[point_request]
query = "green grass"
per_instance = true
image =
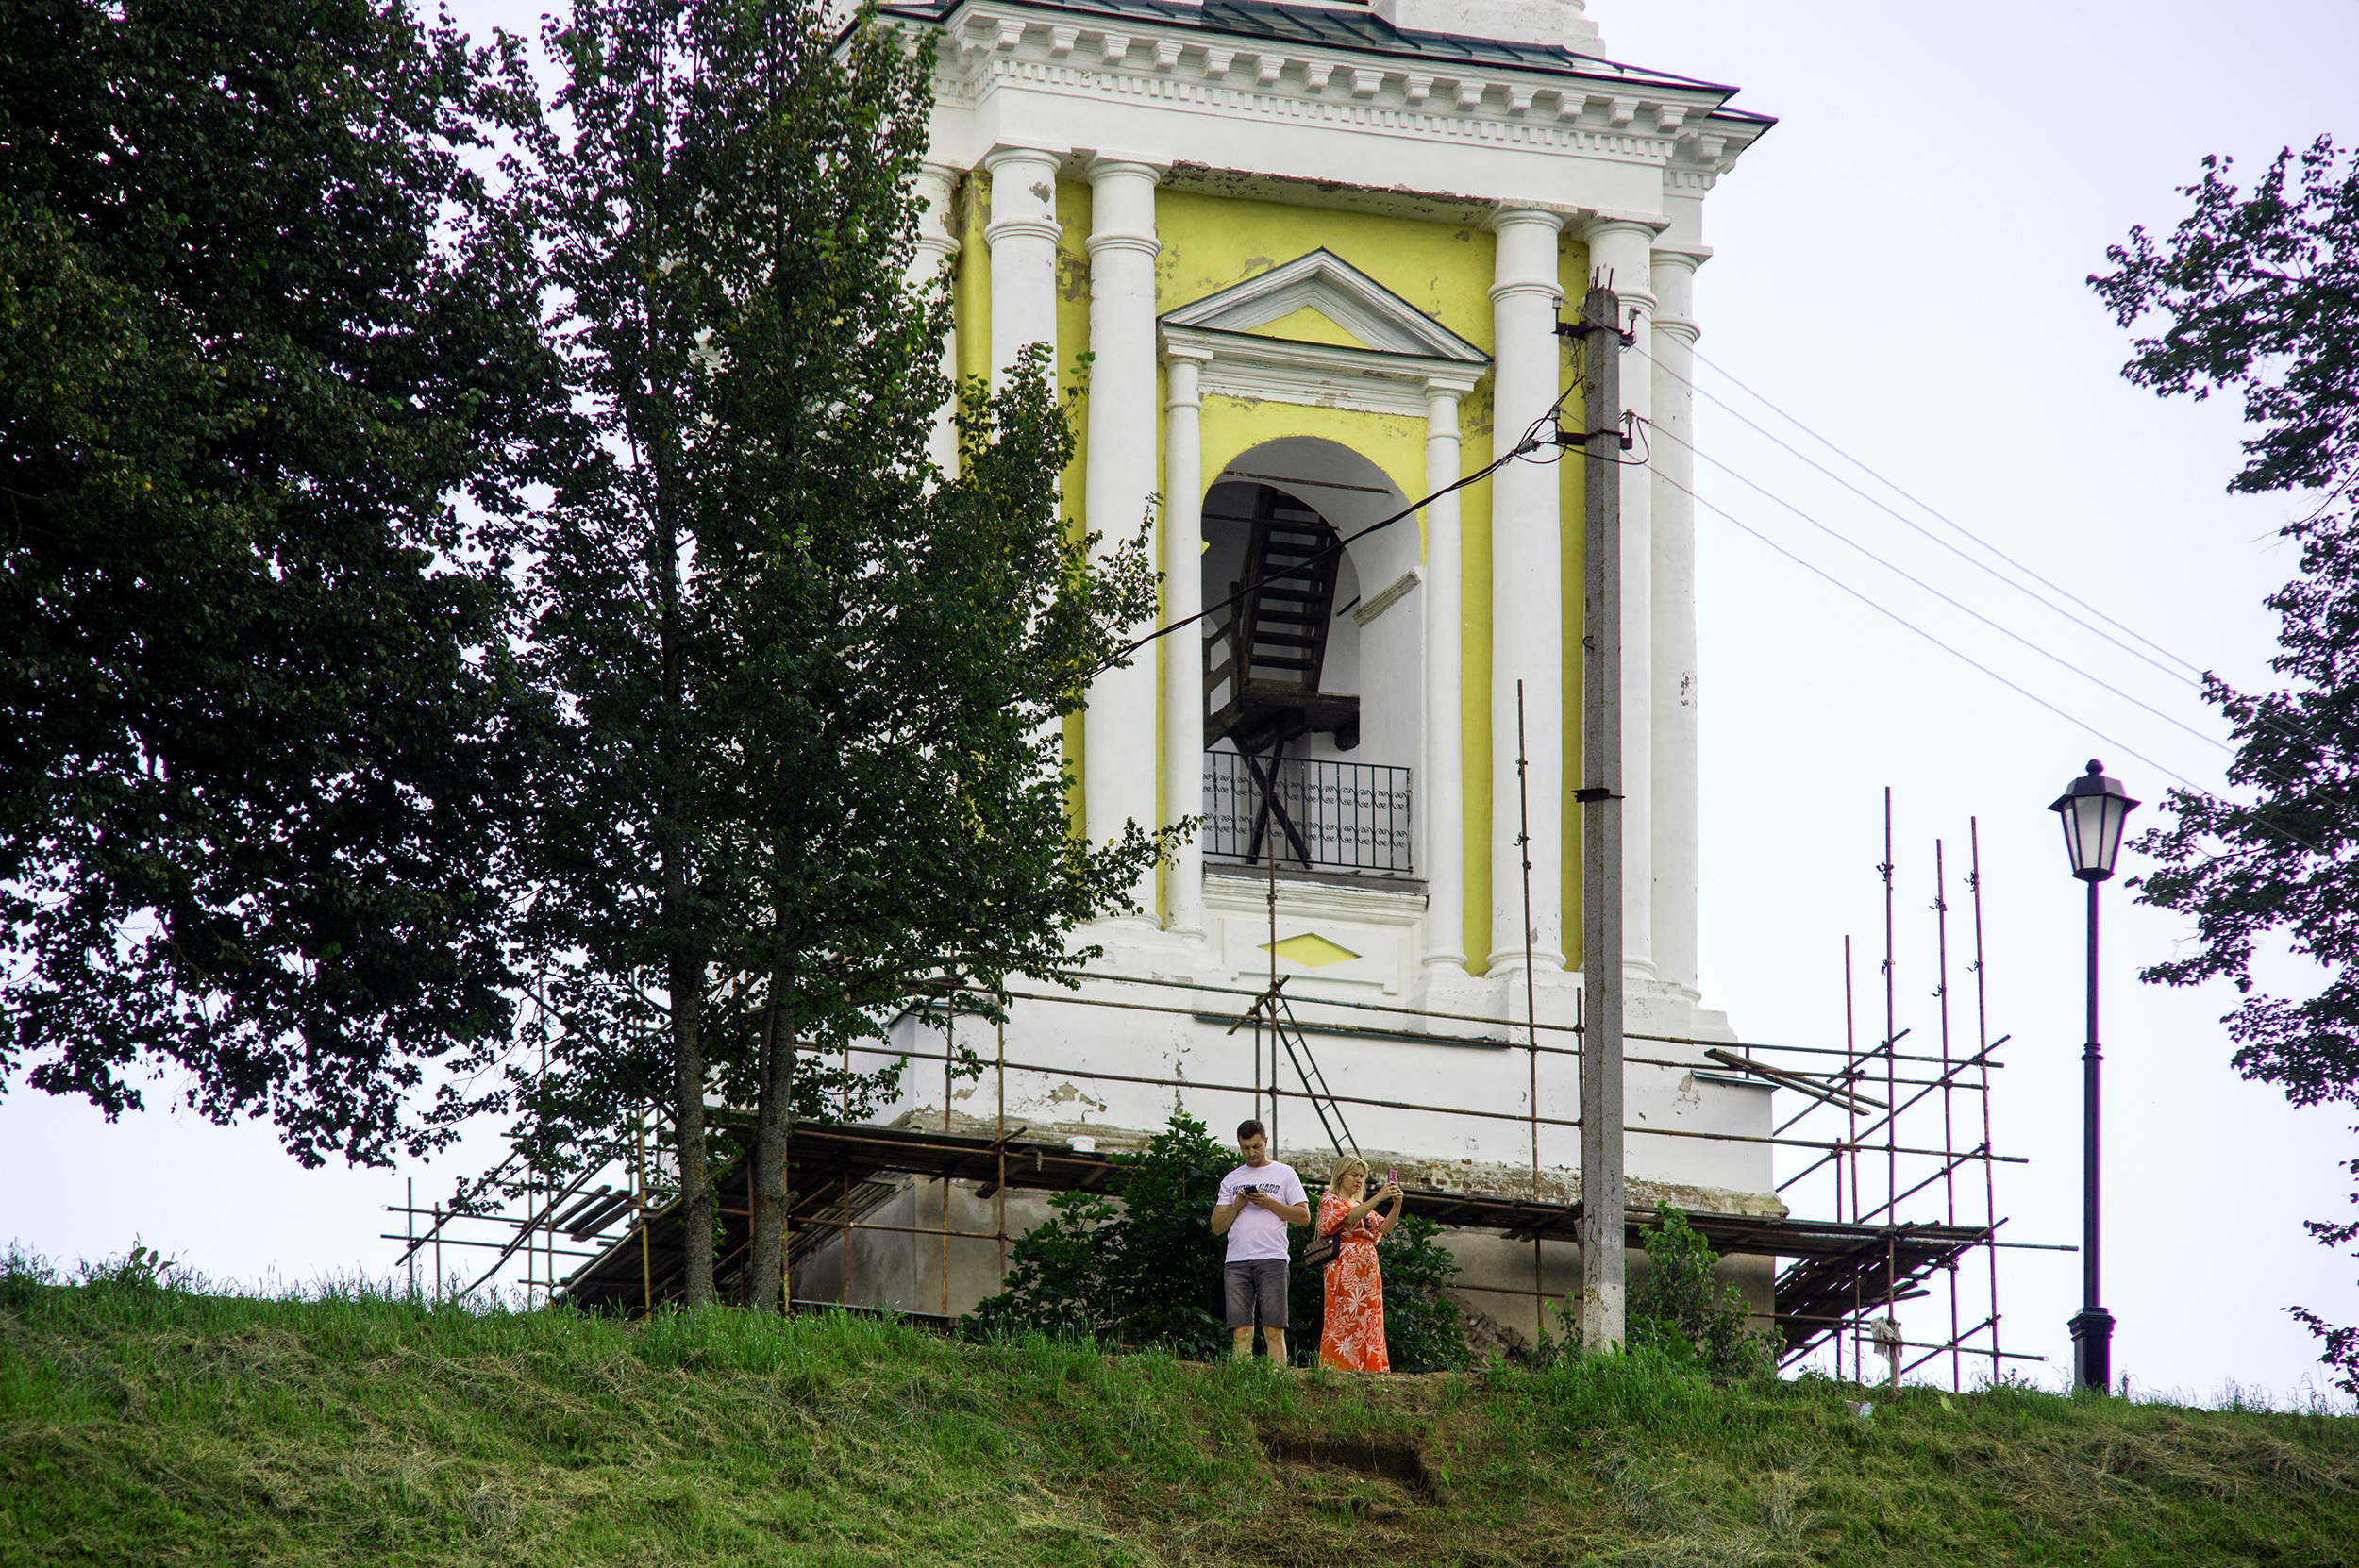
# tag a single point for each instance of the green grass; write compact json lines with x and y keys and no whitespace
{"x":146,"y":1424}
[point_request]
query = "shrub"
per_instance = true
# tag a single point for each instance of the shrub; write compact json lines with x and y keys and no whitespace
{"x":1138,"y":1264}
{"x":1679,"y":1313}
{"x":1679,"y":1308}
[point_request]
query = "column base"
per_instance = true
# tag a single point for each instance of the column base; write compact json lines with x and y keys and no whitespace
{"x":1136,"y":948}
{"x":2093,"y":1349}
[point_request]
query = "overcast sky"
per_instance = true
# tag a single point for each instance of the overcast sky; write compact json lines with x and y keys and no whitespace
{"x":1900,"y":267}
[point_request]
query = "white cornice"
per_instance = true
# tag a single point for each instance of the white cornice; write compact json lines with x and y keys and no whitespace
{"x":1240,"y":891}
{"x":1000,"y":47}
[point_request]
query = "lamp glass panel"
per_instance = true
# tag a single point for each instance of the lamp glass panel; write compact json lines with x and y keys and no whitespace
{"x":2109,"y":839}
{"x":2077,"y":833}
{"x":2088,"y":833}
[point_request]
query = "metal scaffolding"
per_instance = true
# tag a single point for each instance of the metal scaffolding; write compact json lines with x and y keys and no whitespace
{"x":1907,"y":1215}
{"x":1885,"y":1169}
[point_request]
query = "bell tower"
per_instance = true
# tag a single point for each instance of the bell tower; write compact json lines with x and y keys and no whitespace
{"x":1318,"y":253}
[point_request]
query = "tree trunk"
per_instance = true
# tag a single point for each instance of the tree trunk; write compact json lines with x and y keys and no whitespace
{"x":773,"y":1112}
{"x":688,"y":1062}
{"x":685,"y":970}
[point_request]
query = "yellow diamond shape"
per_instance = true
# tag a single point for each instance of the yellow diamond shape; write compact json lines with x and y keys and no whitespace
{"x":1310,"y":950}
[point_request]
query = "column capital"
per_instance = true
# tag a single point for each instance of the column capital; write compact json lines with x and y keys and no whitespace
{"x":1610,"y":225}
{"x":1680,"y":327}
{"x":1122,"y":210}
{"x":1112,"y":165}
{"x":1508,"y":216}
{"x":1020,"y":219}
{"x":1450,"y":387}
{"x":1142,"y":240}
{"x":935,"y":182}
{"x":1019,"y":152}
{"x":1182,"y":388}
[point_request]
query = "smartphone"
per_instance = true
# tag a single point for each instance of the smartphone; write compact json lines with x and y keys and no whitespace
{"x":1392,"y":1178}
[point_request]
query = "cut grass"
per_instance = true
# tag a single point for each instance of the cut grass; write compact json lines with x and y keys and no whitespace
{"x":141,"y":1423}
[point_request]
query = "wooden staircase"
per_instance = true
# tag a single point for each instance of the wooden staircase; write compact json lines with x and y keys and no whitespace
{"x":1263,"y":657}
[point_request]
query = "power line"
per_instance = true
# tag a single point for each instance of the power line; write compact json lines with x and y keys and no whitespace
{"x":1967,"y":609}
{"x":1911,"y":523}
{"x":1893,"y":615}
{"x":2267,"y":720}
{"x":2194,"y":670}
{"x":1888,"y":613}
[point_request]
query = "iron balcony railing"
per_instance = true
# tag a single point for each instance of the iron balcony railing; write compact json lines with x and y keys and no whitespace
{"x":1346,"y":816}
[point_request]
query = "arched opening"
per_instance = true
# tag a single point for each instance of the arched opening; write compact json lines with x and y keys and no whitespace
{"x":1313,"y":660}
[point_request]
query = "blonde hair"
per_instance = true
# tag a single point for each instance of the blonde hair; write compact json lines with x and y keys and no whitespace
{"x":1335,"y":1177}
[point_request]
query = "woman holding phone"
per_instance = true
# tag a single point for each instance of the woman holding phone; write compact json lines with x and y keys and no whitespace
{"x":1353,"y":1340}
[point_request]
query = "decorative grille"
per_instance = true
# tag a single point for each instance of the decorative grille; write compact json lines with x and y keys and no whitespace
{"x":1348,"y":816}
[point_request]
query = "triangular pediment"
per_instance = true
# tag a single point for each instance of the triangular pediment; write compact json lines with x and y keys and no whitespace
{"x":1357,"y":308}
{"x":1309,"y":325}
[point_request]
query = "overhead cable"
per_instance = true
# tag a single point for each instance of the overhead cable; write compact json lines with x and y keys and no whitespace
{"x":1964,"y":608}
{"x":1893,"y":615}
{"x":2182,"y":674}
{"x":2267,"y":720}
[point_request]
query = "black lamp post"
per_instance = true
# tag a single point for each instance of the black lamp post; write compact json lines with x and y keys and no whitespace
{"x":2093,"y":807}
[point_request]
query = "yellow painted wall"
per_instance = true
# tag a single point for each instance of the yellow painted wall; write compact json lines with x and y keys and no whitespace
{"x":970,"y":282}
{"x":1309,"y":325}
{"x":1209,"y":243}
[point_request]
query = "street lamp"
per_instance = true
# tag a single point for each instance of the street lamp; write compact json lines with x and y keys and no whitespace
{"x":2093,"y":807}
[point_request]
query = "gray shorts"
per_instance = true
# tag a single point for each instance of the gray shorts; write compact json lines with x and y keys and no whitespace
{"x":1259,"y":1282}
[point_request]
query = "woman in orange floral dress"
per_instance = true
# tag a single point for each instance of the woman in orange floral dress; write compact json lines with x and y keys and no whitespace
{"x":1353,"y":1340}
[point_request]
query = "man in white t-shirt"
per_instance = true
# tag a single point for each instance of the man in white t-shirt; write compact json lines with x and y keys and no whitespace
{"x":1258,"y":1201}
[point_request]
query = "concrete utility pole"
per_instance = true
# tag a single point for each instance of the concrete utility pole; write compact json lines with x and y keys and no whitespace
{"x":1600,"y":796}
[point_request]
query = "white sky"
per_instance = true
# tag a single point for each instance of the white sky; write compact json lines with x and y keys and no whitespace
{"x":1900,"y":266}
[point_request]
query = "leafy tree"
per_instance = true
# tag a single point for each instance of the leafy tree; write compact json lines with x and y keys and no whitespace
{"x":2258,"y":293}
{"x":1139,"y":1264}
{"x":260,"y":322}
{"x":807,"y":755}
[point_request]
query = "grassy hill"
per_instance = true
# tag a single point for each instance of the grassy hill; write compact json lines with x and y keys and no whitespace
{"x":141,"y":1425}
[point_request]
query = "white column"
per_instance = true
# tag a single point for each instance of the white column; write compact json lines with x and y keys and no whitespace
{"x":1527,"y":598}
{"x":1183,"y":652}
{"x":1676,"y":824}
{"x":936,"y":244}
{"x":1118,"y":779}
{"x":1022,"y":235}
{"x":1438,"y":797}
{"x":1618,"y":256}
